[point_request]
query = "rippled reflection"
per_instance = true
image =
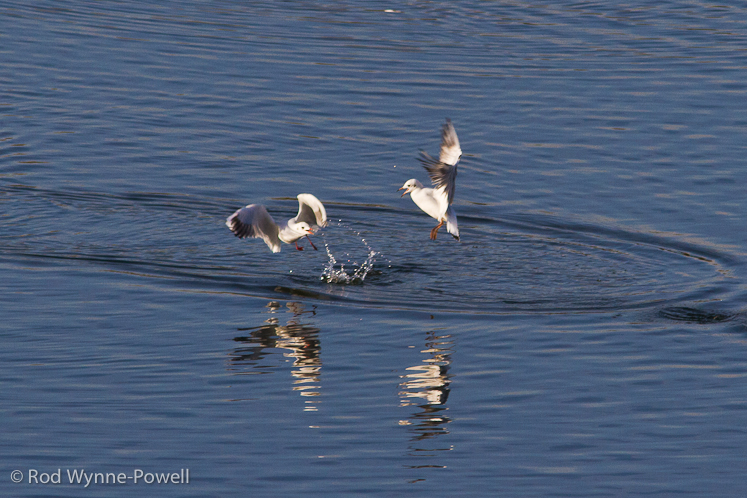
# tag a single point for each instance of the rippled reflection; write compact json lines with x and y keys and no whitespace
{"x":294,"y":341}
{"x":426,"y":385}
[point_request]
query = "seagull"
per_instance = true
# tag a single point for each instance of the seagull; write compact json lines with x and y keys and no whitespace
{"x":436,"y":202}
{"x":254,"y":221}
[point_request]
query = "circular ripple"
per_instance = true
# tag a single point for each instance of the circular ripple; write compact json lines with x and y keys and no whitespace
{"x":528,"y":263}
{"x":533,"y":263}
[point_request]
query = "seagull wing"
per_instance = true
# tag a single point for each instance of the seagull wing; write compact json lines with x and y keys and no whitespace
{"x":254,"y":221}
{"x":311,"y":210}
{"x":450,"y":150}
{"x":443,"y":170}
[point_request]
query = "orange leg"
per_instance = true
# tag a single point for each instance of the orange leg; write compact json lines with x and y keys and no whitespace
{"x":299,"y":248}
{"x":434,"y":232}
{"x":312,"y":244}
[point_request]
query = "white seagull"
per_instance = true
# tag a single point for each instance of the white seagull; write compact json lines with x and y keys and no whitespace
{"x":436,"y":201}
{"x":254,"y":221}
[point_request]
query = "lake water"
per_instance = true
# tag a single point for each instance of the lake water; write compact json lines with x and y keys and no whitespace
{"x":587,"y":336}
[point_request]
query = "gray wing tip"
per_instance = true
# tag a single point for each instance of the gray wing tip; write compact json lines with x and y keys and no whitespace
{"x":239,"y":229}
{"x":437,"y":170}
{"x":448,"y":133}
{"x":427,"y":160}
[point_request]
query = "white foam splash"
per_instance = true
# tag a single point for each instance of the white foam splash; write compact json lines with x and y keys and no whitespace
{"x":336,"y":272}
{"x":356,"y":273}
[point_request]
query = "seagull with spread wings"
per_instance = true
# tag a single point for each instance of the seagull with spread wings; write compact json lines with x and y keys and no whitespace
{"x":254,"y":221}
{"x":436,"y":201}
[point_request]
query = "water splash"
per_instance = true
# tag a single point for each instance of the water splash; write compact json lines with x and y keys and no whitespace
{"x":355,"y":274}
{"x":345,"y":268}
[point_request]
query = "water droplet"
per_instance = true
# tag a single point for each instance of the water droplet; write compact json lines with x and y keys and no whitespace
{"x":336,"y":272}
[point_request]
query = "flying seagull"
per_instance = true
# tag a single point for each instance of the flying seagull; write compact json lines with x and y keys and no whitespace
{"x":436,"y":201}
{"x":254,"y":221}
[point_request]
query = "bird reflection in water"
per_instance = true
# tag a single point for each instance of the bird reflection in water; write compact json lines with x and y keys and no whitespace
{"x":296,"y":342}
{"x":426,"y":386}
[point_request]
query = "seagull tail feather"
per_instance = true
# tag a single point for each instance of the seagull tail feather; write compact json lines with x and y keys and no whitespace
{"x":451,"y":223}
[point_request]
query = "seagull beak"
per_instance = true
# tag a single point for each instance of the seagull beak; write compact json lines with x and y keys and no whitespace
{"x":311,"y":232}
{"x":405,"y":193}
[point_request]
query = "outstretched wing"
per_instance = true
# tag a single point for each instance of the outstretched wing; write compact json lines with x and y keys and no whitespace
{"x":450,"y":150}
{"x":311,"y":210}
{"x":444,"y":170}
{"x":254,"y":221}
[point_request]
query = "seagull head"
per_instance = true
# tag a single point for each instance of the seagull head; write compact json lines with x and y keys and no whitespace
{"x":409,"y":186}
{"x":303,"y":228}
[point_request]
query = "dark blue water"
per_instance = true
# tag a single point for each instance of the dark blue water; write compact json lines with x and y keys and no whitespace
{"x":587,"y":337}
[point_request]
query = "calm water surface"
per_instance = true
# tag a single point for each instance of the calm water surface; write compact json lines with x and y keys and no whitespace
{"x":587,"y":337}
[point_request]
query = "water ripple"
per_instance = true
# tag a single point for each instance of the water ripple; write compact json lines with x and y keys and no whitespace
{"x":377,"y":256}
